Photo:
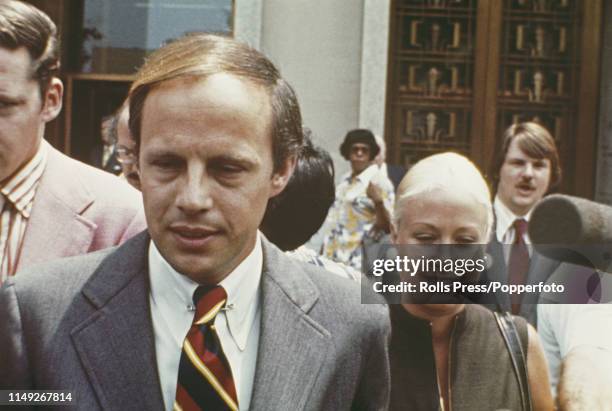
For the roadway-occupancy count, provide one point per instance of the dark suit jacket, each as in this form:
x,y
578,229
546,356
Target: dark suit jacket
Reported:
x,y
83,324
540,269
395,174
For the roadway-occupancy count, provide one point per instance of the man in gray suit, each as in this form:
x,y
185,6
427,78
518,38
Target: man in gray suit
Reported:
x,y
217,131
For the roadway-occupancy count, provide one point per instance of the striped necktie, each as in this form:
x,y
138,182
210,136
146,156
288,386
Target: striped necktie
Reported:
x,y
205,378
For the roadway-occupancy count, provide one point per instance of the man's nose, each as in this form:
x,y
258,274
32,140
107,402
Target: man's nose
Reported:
x,y
528,170
194,195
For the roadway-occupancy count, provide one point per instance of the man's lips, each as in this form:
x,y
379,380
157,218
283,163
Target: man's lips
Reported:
x,y
525,188
192,236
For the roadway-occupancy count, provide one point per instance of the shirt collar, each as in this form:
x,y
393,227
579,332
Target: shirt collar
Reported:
x,y
504,218
366,175
241,286
21,187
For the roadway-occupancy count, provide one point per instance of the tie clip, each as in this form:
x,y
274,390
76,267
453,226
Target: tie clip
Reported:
x,y
228,307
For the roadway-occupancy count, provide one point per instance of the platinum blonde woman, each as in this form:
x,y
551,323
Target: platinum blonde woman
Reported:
x,y
454,356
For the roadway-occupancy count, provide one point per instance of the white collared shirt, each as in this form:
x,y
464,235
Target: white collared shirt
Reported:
x,y
504,223
563,327
238,328
504,226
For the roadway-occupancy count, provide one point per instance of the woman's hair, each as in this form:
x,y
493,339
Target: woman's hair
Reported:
x,y
449,171
294,215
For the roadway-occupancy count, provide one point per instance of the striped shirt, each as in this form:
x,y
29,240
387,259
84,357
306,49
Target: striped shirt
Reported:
x,y
16,200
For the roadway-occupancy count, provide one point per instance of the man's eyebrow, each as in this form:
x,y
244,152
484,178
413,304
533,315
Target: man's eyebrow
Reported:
x,y
11,98
234,158
160,152
230,158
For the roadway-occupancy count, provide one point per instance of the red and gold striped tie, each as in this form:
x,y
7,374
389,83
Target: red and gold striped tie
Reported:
x,y
205,378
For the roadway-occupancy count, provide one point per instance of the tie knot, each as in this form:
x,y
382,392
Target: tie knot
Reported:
x,y
208,301
520,226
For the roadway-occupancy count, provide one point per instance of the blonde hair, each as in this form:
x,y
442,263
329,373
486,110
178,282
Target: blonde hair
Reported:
x,y
450,171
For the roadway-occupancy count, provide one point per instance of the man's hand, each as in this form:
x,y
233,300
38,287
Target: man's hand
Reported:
x,y
383,219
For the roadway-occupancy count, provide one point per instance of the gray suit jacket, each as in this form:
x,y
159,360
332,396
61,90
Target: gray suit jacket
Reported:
x,y
83,324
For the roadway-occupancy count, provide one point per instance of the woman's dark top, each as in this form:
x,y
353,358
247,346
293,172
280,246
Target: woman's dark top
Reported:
x,y
480,370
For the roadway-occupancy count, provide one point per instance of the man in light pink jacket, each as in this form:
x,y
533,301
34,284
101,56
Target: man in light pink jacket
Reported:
x,y
51,206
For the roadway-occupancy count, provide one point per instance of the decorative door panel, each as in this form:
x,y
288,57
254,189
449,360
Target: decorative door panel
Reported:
x,y
462,71
432,67
539,67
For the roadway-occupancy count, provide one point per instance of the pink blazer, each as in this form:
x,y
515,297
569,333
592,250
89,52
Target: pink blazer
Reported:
x,y
78,209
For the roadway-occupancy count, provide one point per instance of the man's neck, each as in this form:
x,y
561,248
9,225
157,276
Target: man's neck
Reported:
x,y
356,173
23,164
360,172
518,212
162,267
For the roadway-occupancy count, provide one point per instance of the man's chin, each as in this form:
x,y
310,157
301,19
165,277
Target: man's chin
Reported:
x,y
359,168
197,264
201,272
525,203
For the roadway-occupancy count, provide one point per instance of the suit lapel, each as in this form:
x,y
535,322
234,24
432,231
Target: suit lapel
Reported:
x,y
56,228
540,269
292,346
116,344
498,272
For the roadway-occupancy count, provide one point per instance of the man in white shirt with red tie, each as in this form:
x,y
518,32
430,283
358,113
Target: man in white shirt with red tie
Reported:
x,y
525,169
575,342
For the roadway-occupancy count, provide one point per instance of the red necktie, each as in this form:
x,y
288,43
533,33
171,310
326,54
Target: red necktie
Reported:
x,y
205,378
518,264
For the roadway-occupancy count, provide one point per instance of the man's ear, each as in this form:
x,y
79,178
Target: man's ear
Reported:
x,y
281,177
52,100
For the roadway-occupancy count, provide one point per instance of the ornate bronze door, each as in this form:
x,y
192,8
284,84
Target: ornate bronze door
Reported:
x,y
461,71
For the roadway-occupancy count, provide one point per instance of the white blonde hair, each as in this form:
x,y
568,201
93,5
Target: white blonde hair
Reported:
x,y
450,171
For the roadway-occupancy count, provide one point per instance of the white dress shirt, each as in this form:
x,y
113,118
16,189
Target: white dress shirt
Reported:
x,y
238,326
563,327
504,226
